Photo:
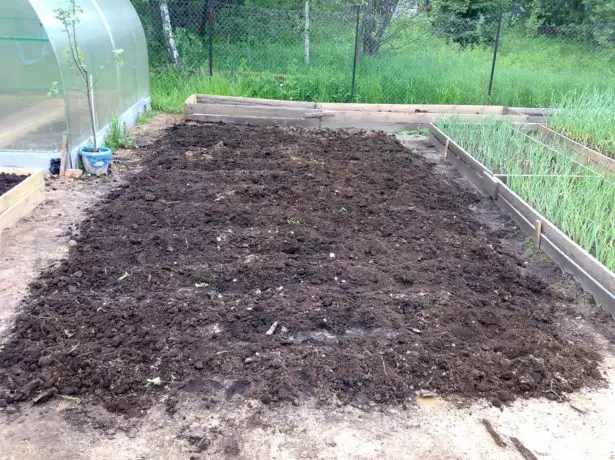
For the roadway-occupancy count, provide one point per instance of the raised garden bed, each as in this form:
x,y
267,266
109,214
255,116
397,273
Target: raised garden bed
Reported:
x,y
506,173
386,117
584,154
288,264
21,190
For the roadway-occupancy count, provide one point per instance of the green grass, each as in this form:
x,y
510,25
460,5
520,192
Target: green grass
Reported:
x,y
145,117
531,71
588,117
579,200
118,136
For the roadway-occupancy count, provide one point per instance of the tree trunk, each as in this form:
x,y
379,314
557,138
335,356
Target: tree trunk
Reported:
x,y
368,28
378,17
168,33
89,84
306,32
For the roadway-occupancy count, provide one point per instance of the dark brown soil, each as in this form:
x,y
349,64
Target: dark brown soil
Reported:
x,y
380,278
8,181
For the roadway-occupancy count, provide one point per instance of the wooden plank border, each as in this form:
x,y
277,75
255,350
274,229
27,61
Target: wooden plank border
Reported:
x,y
584,153
593,276
414,108
23,198
238,110
259,121
388,117
207,99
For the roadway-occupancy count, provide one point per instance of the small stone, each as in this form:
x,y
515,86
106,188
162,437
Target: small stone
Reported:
x,y
3,403
73,173
198,365
72,243
70,391
149,197
45,396
30,386
45,360
72,289
12,410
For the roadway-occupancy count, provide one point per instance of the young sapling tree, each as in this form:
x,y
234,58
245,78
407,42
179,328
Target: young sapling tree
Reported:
x,y
70,16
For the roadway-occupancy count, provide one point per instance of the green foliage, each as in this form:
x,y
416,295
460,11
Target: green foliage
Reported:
x,y
145,117
588,117
576,199
462,20
468,22
118,136
419,67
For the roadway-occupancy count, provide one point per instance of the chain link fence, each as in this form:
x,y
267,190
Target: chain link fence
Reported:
x,y
363,54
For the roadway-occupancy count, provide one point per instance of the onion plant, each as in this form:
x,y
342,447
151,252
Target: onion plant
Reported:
x,y
588,117
579,199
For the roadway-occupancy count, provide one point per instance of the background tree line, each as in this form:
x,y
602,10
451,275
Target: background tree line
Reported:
x,y
467,22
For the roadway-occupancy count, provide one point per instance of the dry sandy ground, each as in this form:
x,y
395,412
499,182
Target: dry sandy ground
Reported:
x,y
429,429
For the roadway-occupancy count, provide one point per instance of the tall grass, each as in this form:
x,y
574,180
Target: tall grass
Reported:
x,y
588,117
531,71
579,200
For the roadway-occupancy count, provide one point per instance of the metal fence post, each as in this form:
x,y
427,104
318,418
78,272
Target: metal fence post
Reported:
x,y
353,90
211,37
495,54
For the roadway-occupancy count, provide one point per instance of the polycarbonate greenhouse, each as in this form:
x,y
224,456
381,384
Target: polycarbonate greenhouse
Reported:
x,y
42,96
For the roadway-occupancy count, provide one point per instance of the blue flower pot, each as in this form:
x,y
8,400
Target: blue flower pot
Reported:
x,y
96,162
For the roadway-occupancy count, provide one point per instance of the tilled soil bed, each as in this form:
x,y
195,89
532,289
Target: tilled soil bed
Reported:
x,y
8,181
377,274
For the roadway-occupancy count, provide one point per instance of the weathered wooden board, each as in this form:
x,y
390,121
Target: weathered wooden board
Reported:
x,y
587,155
206,99
593,276
389,127
453,147
349,107
414,108
260,121
534,115
389,117
232,110
354,119
572,258
23,198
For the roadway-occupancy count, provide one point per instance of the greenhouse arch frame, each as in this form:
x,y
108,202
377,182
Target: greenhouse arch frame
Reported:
x,y
43,103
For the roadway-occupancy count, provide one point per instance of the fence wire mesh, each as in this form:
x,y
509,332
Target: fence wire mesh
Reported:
x,y
404,52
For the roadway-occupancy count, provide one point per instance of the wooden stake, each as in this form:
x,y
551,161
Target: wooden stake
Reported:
x,y
538,233
272,329
494,434
446,148
63,154
524,451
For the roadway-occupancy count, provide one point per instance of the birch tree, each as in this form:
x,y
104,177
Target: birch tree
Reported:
x,y
306,32
168,33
